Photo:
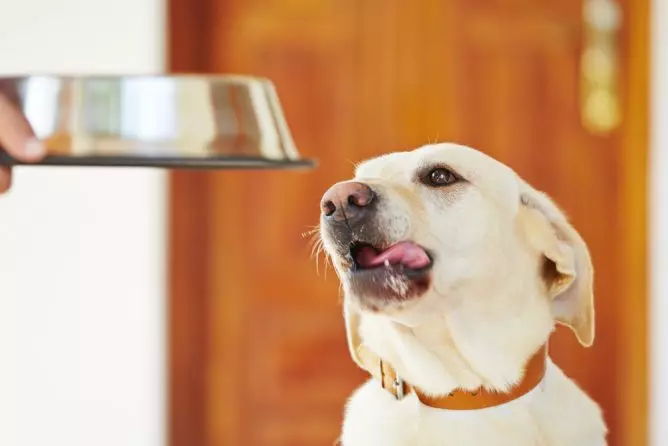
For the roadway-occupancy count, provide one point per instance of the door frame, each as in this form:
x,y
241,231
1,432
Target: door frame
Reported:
x,y
634,178
658,431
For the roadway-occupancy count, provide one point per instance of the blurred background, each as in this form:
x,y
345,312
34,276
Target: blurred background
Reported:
x,y
156,308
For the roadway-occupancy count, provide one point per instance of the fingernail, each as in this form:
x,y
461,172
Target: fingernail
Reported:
x,y
34,148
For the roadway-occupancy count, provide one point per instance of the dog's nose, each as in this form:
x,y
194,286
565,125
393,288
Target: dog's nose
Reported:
x,y
348,201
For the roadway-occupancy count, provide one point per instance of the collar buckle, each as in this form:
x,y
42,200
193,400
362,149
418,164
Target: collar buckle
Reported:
x,y
398,388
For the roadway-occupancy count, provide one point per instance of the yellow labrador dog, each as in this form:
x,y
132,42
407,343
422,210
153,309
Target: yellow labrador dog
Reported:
x,y
455,272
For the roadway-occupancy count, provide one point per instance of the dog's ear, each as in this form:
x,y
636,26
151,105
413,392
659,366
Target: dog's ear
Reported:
x,y
567,270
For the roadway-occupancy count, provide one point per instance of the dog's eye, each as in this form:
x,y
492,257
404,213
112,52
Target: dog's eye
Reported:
x,y
440,177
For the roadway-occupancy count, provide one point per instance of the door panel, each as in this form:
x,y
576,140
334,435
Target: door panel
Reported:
x,y
258,347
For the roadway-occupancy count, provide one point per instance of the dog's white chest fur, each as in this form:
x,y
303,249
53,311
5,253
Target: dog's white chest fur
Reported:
x,y
557,413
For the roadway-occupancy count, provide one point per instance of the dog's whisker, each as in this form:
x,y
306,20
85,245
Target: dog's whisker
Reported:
x,y
314,229
317,251
315,243
328,262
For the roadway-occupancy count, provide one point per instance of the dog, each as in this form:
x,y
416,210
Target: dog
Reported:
x,y
455,272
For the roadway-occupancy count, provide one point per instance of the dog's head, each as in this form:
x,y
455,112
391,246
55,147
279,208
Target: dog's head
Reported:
x,y
447,228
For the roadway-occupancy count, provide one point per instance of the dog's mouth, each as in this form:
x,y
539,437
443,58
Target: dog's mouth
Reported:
x,y
404,257
380,278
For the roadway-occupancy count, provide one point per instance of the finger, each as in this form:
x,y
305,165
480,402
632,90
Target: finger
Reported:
x,y
16,135
5,178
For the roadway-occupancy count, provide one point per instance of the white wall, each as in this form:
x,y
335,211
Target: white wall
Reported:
x,y
82,274
659,225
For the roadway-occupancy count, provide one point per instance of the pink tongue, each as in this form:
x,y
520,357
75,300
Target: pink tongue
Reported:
x,y
404,253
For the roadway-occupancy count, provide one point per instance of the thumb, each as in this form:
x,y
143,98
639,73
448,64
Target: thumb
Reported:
x,y
16,134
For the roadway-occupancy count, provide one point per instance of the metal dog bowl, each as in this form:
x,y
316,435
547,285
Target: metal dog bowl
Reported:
x,y
176,121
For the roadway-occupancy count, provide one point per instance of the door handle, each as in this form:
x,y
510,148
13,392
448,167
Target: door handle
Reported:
x,y
600,106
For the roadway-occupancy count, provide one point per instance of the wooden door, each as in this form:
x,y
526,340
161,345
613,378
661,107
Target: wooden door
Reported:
x,y
257,340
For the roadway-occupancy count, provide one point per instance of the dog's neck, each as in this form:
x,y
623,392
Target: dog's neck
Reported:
x,y
446,352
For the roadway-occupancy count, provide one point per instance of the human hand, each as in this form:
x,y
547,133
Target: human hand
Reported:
x,y
16,138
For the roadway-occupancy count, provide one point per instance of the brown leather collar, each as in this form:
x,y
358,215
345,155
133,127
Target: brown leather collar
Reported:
x,y
462,399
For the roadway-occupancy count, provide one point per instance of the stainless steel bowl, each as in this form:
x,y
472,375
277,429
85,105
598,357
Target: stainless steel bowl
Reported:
x,y
176,121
